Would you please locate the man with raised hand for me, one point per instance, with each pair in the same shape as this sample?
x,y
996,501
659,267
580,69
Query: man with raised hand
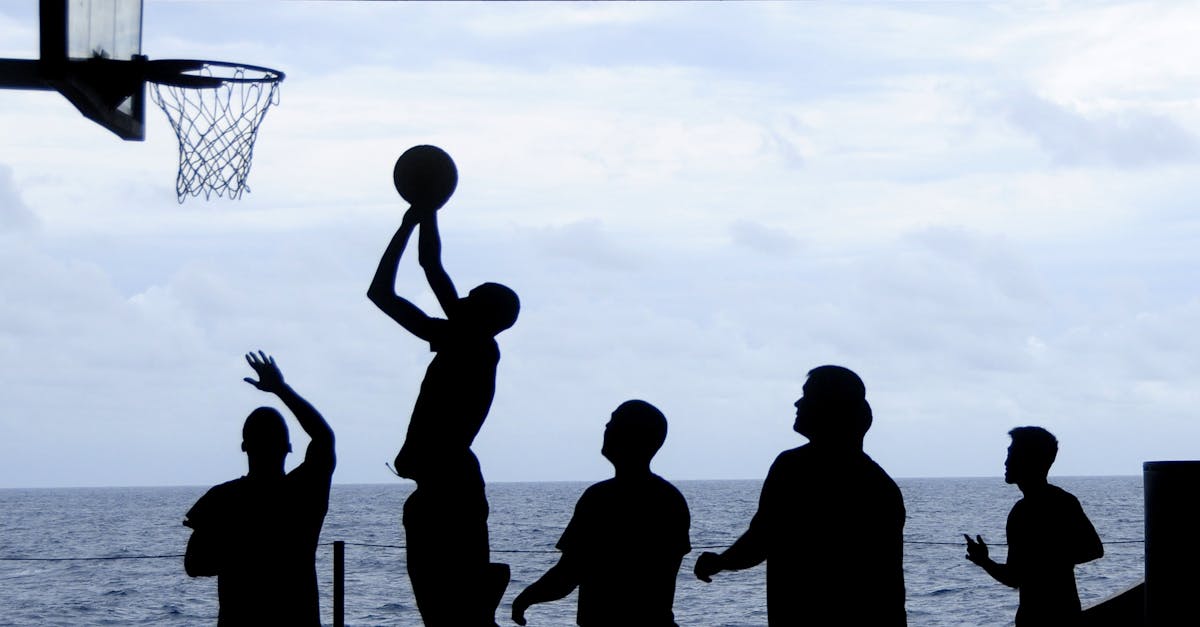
x,y
445,518
1048,534
623,546
258,534
830,521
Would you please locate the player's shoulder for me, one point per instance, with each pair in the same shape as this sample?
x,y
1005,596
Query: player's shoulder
x,y
1062,498
664,486
218,498
1058,492
229,488
600,489
793,457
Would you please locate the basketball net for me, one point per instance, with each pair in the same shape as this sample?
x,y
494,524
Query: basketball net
x,y
217,122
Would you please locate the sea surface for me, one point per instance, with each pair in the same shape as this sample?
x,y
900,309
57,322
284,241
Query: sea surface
x,y
148,586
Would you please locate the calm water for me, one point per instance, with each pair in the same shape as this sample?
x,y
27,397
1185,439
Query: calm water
x,y
527,518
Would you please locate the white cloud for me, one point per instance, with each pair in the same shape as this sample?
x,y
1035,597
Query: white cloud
x,y
1122,139
14,214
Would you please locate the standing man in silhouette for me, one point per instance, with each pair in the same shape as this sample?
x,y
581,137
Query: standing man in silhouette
x,y
258,534
623,546
445,518
1048,534
830,521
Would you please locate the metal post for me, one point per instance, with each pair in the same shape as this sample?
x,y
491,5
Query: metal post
x,y
339,584
1172,492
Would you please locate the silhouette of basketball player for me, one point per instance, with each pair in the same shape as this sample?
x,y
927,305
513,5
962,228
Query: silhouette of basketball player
x,y
623,546
258,534
1048,534
830,521
445,518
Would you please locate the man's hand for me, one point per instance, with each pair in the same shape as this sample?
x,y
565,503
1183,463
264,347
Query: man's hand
x,y
707,565
977,551
518,610
270,379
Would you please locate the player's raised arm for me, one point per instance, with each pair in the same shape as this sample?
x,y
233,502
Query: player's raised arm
x,y
270,379
383,286
429,253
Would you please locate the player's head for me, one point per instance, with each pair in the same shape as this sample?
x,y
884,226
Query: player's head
x,y
834,406
1030,455
265,434
493,306
634,434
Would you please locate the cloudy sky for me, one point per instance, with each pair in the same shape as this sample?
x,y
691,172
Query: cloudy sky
x,y
989,212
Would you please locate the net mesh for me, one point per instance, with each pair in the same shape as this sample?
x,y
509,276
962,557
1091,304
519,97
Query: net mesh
x,y
216,127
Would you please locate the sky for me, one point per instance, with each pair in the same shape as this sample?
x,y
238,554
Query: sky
x,y
987,211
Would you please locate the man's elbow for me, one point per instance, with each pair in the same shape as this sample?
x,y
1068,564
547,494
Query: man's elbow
x,y
429,262
381,296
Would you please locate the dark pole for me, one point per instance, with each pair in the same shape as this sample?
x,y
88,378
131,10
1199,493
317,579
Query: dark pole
x,y
339,584
1172,516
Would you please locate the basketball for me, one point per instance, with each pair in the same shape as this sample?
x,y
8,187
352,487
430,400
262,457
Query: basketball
x,y
425,176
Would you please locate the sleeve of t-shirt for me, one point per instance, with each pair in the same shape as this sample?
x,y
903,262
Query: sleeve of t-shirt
x,y
574,537
202,514
682,541
1084,541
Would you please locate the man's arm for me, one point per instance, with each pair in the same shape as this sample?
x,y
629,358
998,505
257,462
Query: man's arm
x,y
977,553
270,379
429,254
383,286
1087,542
750,550
557,583
201,558
747,552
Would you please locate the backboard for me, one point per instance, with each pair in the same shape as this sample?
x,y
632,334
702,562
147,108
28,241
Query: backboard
x,y
91,52
79,41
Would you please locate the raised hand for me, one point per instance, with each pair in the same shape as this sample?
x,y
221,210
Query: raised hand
x,y
977,550
270,379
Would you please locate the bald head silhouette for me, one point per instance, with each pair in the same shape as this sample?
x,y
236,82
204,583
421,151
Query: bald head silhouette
x,y
834,406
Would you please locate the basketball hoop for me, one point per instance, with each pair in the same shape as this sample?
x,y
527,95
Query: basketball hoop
x,y
215,108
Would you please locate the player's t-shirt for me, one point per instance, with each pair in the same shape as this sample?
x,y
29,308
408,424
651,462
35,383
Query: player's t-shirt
x,y
1048,534
626,540
831,526
266,531
454,400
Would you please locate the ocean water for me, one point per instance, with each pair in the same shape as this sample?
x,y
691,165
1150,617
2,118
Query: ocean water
x,y
143,524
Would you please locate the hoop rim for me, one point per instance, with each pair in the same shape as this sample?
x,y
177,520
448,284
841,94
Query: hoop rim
x,y
174,73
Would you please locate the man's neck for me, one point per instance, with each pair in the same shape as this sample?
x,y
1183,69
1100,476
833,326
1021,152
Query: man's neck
x,y
1033,486
264,470
635,471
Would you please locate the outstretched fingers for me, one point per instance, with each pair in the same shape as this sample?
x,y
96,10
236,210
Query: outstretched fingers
x,y
269,376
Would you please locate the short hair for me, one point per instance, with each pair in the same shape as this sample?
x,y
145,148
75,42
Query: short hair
x,y
645,425
499,304
1039,445
840,397
264,426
